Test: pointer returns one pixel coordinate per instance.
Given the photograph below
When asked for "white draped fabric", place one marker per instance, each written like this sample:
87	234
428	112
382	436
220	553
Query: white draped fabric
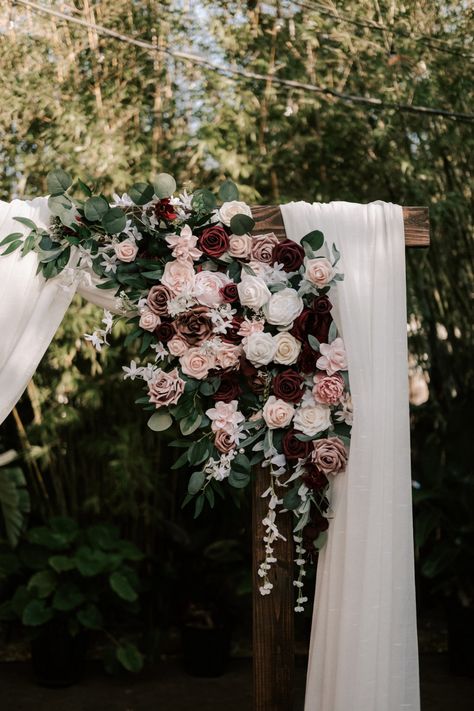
31	308
363	651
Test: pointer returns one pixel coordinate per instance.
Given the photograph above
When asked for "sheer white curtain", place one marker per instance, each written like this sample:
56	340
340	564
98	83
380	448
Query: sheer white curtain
31	308
363	651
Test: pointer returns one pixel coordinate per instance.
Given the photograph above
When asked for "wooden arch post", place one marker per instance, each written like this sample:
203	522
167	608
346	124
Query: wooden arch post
273	625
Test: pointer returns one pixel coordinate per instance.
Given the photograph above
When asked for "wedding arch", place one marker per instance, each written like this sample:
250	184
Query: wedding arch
230	294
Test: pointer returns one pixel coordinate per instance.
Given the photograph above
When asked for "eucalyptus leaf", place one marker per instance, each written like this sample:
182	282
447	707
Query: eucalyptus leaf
95	208
241	224
114	221
141	193
164	185
228	191
196	482
160	421
58	181
314	239
190	424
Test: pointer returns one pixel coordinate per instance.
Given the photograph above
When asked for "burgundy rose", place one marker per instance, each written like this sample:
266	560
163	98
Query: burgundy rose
320	329
290	254
229	293
232	333
157	299
303	325
330	455
253	377
287	386
322	305
165	331
307	359
317	525
214	241
314	478
229	388
164	210
294	448
194	326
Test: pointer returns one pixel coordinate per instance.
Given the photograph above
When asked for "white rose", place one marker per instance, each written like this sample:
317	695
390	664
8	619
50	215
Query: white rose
287	349
283	307
319	271
277	413
232	208
312	419
253	292
259	348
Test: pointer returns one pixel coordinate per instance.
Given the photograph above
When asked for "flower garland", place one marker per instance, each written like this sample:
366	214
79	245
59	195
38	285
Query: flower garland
239	346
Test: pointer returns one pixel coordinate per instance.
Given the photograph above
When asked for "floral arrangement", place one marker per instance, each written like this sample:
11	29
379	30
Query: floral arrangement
239	346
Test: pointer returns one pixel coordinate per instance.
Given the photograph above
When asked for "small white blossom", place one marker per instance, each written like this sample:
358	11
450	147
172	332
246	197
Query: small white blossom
109	262
132	372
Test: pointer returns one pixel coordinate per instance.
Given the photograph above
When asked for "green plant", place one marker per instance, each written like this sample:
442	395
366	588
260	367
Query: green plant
14	497
85	579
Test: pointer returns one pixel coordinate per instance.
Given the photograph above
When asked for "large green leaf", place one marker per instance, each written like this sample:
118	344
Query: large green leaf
121	585
314	239
196	482
91	617
36	613
241	224
228	191
42	583
58	181
67	597
160	421
95	208
14	502
141	193
164	185
91	562
129	657
114	221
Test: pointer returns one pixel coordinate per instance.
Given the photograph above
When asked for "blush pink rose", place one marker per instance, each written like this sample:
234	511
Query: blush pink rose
328	389
227	356
176	346
148	320
240	246
277	413
263	246
165	388
207	288
196	364
126	251
333	357
178	275
224	442
330	455
319	271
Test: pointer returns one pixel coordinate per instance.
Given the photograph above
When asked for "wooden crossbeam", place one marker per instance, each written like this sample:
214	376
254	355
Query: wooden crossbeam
273	621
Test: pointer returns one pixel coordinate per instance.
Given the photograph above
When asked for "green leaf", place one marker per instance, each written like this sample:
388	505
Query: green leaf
27	222
160	421
114	221
95	208
209	387
241	464
204	201
332	332
181	461
199	505
42	583
199	451
241	224
14	502
196	482
67	597
314	239
58	181
141	193
314	343
90	617
36	613
85	188
90	562
238	480
228	191
43	536
14	236
121	586
129	657
61	563
292	499
320	541
164	185
12	247
190	424
28	245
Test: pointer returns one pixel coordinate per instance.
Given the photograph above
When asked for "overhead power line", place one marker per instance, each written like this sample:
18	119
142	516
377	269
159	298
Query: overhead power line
246	74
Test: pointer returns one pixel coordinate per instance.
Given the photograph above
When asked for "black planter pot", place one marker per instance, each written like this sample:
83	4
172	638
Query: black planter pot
206	650
460	639
58	657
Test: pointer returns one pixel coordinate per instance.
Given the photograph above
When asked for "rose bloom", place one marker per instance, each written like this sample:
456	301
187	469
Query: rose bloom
229	209
263	246
224	442
194	326
164	210
184	245
227	356
165	388
157	299
328	389
330	455
321	305
253	292
229	388
312	419
254	378
307	359
176	346
196	364
178	275
148	320
240	246
229	293
333	357
319	271
247	327
259	348
288	385
214	241
225	416
313	478
164	331
277	413
290	254
283	307
126	251
207	288
293	448
287	349
232	334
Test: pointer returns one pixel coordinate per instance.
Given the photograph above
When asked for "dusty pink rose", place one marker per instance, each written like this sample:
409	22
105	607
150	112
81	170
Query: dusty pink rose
126	251
157	299
330	455
227	356
247	327
178	275
165	388
184	245
277	413
148	320
319	271
207	288
225	416
196	364
333	357
263	246
328	389
224	442
176	346
240	246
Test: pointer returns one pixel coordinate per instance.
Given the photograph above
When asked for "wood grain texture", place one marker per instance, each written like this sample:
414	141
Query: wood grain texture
273	621
416	219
